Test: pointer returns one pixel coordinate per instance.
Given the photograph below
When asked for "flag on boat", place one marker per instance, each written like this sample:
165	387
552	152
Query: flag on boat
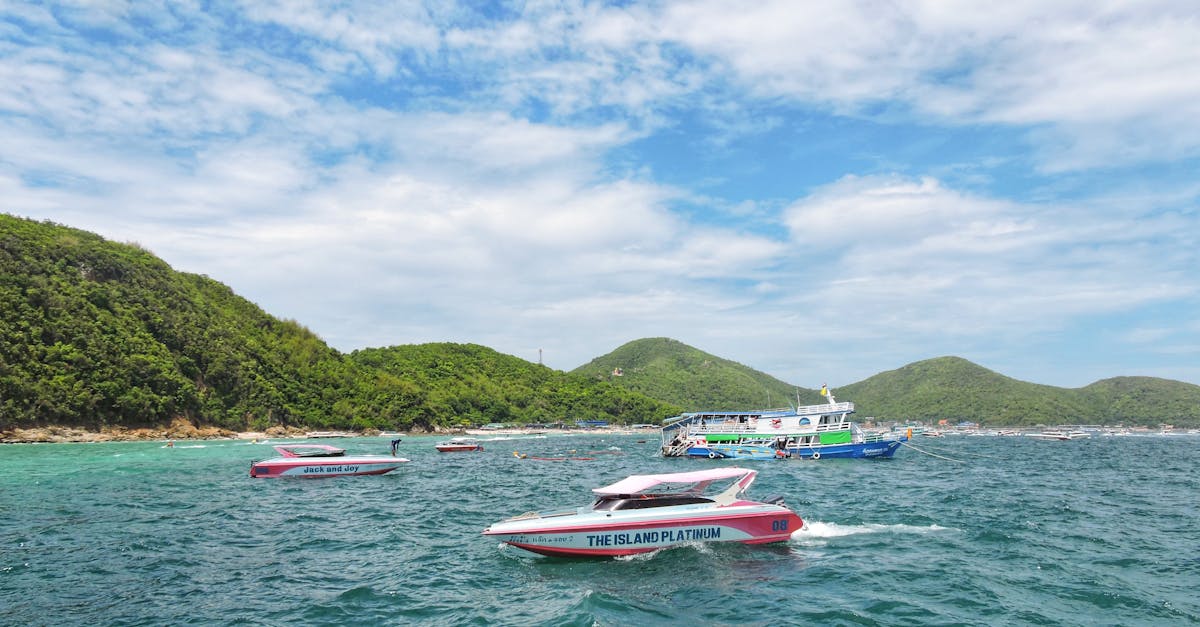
824	390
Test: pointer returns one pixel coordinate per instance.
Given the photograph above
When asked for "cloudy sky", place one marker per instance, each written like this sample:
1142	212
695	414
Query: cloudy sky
822	191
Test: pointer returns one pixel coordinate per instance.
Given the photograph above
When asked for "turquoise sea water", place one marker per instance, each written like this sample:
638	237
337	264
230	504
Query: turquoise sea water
1087	532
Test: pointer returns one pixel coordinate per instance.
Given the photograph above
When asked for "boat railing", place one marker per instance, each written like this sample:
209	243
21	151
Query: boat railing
764	414
750	428
677	450
827	408
723	427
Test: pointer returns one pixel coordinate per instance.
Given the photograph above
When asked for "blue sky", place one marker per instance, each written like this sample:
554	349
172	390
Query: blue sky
821	191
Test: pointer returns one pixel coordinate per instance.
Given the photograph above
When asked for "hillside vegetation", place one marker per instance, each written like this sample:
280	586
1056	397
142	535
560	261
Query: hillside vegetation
674	372
944	388
95	333
954	389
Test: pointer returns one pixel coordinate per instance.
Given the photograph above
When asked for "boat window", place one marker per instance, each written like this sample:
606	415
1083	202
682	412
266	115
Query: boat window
605	504
306	452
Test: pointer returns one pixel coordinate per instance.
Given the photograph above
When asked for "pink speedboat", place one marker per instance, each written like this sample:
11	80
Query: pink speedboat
646	513
321	460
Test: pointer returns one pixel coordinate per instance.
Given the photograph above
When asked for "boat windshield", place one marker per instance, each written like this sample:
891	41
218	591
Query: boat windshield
313	450
608	503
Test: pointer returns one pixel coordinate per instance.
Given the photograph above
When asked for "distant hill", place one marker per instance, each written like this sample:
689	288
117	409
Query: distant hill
95	333
1144	401
676	373
944	388
954	389
476	384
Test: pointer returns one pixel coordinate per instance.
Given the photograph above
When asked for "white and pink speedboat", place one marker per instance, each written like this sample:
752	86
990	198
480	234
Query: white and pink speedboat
321	460
644	513
459	445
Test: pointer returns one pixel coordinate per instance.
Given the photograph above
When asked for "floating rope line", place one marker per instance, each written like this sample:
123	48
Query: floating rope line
966	454
949	459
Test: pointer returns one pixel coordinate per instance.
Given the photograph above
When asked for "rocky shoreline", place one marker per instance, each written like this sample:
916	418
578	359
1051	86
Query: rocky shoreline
180	429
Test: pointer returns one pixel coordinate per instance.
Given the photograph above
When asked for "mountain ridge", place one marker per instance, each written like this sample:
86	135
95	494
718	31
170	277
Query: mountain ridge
95	333
947	388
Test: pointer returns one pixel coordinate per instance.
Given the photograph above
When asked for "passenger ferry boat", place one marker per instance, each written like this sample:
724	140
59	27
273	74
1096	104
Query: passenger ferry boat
809	432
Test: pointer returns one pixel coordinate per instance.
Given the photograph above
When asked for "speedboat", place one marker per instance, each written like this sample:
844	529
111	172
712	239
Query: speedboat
321	460
1060	434
459	445
644	513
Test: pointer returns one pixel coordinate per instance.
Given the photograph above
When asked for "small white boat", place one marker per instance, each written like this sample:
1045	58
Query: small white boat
459	445
644	513
1059	434
321	460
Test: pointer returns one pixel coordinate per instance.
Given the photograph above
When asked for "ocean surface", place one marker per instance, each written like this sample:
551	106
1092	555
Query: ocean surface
991	531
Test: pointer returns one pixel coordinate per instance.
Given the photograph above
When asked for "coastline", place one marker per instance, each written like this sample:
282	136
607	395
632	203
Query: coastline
181	429
60	435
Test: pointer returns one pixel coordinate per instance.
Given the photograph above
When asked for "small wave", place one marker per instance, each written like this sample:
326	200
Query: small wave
815	529
703	548
638	557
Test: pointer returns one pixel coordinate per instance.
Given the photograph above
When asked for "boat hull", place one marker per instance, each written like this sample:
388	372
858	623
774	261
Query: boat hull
876	449
600	535
316	467
459	449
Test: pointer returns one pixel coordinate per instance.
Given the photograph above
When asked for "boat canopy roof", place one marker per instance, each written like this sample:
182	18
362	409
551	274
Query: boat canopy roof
639	483
309	450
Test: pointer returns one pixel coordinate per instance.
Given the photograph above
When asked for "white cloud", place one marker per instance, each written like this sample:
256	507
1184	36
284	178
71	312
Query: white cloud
375	34
401	172
914	255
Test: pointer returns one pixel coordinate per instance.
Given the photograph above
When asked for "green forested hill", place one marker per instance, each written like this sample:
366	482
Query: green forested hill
476	384
954	389
96	333
674	372
945	388
1144	401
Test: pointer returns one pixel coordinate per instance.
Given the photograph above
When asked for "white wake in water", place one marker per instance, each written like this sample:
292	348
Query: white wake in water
817	531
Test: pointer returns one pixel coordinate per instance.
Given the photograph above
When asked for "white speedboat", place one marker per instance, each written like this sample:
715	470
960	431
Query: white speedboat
321	460
459	445
1060	434
644	513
